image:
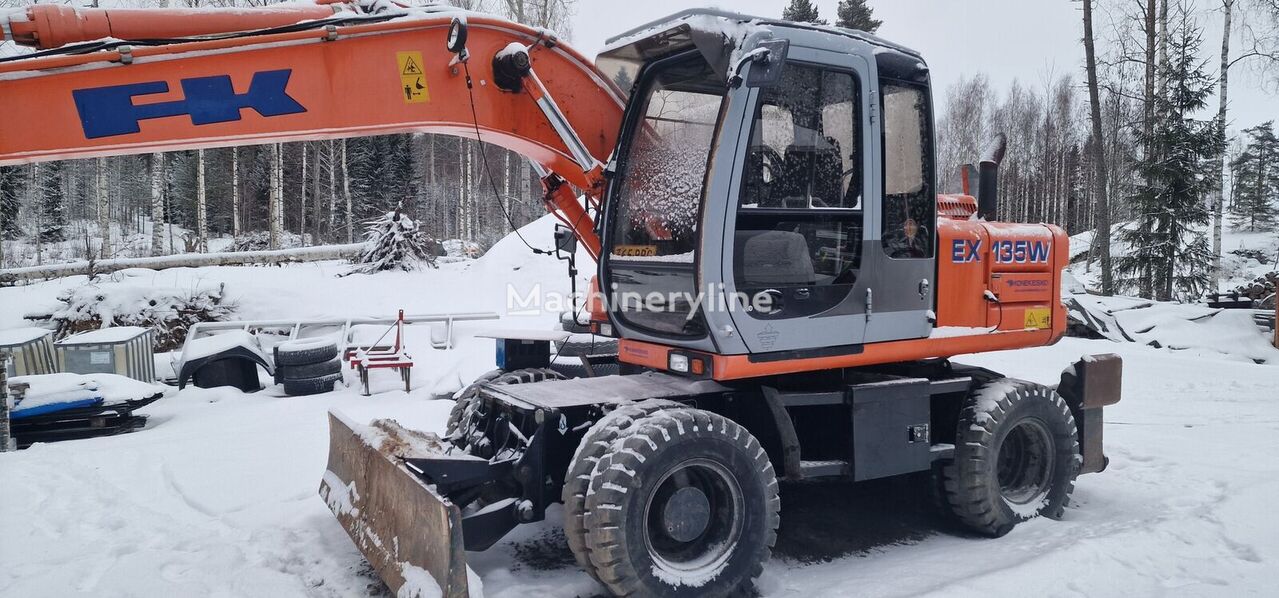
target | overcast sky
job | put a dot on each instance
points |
(1007, 39)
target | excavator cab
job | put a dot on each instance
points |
(773, 188)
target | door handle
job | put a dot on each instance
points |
(776, 301)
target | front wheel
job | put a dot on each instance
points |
(686, 505)
(1016, 457)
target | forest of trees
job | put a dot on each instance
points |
(1138, 136)
(1142, 140)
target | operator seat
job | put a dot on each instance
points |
(773, 258)
(820, 165)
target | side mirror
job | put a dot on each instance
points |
(565, 240)
(767, 62)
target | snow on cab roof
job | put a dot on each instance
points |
(115, 334)
(653, 27)
(21, 336)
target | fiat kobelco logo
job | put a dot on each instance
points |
(110, 111)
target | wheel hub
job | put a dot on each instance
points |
(1025, 463)
(687, 514)
(694, 517)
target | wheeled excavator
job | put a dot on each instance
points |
(786, 285)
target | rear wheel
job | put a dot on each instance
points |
(686, 505)
(1016, 457)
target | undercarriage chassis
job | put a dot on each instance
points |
(414, 502)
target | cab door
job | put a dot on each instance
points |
(794, 265)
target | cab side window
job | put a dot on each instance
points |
(799, 217)
(909, 204)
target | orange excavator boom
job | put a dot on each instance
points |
(302, 73)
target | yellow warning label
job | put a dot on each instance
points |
(1038, 318)
(412, 81)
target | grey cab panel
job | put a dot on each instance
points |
(815, 218)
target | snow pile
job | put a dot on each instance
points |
(170, 311)
(457, 248)
(418, 583)
(51, 392)
(208, 346)
(1182, 327)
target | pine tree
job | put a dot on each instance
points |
(802, 11)
(395, 242)
(1169, 253)
(52, 198)
(13, 181)
(855, 14)
(1256, 179)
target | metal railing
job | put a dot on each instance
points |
(297, 328)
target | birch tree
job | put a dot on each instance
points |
(1101, 205)
(346, 195)
(235, 192)
(104, 206)
(201, 205)
(155, 171)
(275, 216)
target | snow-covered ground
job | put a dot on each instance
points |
(217, 496)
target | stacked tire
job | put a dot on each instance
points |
(307, 366)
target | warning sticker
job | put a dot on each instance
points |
(635, 250)
(412, 80)
(1038, 318)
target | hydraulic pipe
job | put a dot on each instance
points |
(46, 26)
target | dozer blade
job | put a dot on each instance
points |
(405, 530)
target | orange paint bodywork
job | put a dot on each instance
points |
(981, 287)
(1023, 308)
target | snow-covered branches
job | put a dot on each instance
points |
(395, 242)
(168, 311)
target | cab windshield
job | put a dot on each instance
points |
(656, 197)
(663, 170)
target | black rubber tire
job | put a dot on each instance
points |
(310, 370)
(463, 399)
(305, 356)
(311, 386)
(464, 406)
(569, 323)
(601, 346)
(577, 480)
(627, 478)
(991, 414)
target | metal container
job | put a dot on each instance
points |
(30, 351)
(123, 350)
